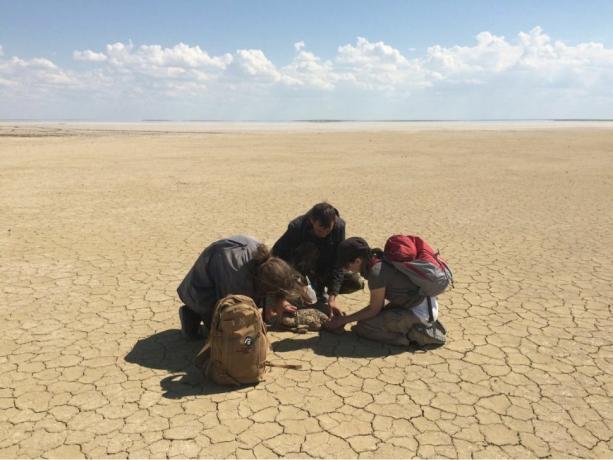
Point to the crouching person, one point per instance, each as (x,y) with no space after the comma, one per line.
(236,265)
(310,245)
(403,309)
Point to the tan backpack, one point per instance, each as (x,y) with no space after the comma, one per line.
(235,352)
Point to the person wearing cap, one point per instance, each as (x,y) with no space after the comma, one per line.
(310,245)
(397,313)
(236,265)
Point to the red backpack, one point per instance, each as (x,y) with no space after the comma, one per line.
(415,258)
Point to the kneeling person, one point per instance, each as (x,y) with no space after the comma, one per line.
(310,245)
(408,316)
(235,265)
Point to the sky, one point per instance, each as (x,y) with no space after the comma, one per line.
(304,60)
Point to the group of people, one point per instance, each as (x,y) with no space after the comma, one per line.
(309,266)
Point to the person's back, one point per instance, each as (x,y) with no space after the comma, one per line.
(411,312)
(221,269)
(400,291)
(239,265)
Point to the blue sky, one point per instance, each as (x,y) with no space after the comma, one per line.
(271,60)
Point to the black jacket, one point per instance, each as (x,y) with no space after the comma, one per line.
(300,231)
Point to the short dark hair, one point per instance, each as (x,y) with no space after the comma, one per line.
(324,213)
(351,248)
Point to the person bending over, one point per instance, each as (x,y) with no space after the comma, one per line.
(398,312)
(310,245)
(236,265)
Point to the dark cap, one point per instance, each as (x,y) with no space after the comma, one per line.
(351,248)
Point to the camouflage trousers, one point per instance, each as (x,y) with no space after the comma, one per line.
(400,326)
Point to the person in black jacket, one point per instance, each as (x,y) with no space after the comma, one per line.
(310,245)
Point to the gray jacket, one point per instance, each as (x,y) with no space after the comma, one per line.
(222,269)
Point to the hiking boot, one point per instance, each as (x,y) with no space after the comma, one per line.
(190,323)
(427,335)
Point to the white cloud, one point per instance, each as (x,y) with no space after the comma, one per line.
(530,67)
(380,67)
(254,63)
(181,70)
(33,74)
(180,55)
(490,54)
(88,55)
(533,52)
(367,53)
(307,70)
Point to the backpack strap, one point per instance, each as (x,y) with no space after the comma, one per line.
(430,311)
(446,269)
(374,261)
(284,366)
(203,355)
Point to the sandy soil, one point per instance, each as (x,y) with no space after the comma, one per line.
(98,225)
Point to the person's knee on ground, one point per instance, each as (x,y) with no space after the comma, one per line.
(398,326)
(370,331)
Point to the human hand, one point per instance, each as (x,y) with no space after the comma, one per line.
(333,310)
(335,323)
(286,307)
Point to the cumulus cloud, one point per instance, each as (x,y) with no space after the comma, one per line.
(254,63)
(33,73)
(88,55)
(490,54)
(367,65)
(533,62)
(367,53)
(378,66)
(150,56)
(531,66)
(308,70)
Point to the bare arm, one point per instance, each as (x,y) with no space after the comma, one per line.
(377,299)
(276,309)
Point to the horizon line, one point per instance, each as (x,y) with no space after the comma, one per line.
(310,120)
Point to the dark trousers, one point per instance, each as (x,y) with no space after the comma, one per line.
(304,260)
(196,314)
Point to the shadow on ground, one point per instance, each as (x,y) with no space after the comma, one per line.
(168,350)
(346,344)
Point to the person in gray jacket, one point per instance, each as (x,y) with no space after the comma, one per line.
(236,265)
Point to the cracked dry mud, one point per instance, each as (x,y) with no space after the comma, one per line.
(97,231)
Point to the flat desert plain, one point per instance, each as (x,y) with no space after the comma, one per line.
(99,224)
